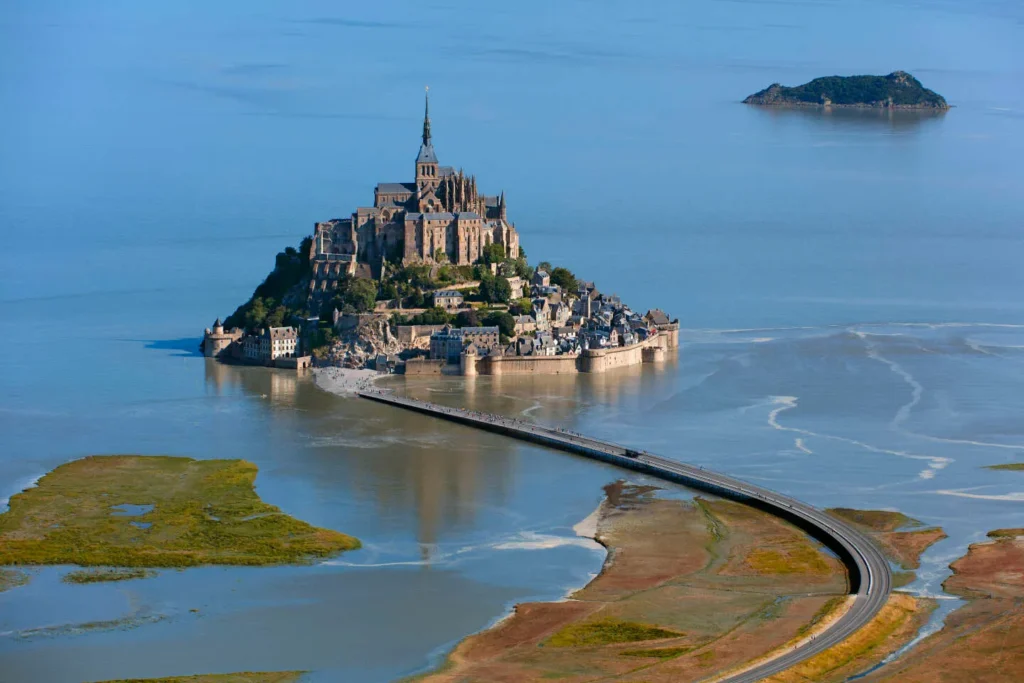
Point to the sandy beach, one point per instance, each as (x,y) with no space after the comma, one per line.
(345,381)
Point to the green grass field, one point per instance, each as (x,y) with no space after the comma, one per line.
(187,513)
(605,632)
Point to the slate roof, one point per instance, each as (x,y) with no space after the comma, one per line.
(283,333)
(426,155)
(658,317)
(396,188)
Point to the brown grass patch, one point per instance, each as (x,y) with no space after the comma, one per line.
(796,557)
(893,625)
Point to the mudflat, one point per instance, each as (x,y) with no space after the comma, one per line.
(155,511)
(689,589)
(987,634)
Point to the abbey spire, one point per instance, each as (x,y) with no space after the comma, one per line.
(427,178)
(426,118)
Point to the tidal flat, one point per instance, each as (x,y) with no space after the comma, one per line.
(698,588)
(903,540)
(987,633)
(155,511)
(10,578)
(682,595)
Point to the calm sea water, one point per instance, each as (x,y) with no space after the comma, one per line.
(850,284)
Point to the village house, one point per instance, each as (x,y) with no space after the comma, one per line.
(449,342)
(446,344)
(485,338)
(279,342)
(540,279)
(524,324)
(448,299)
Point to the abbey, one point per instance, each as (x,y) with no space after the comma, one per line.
(439,217)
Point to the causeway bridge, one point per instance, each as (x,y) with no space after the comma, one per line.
(870,578)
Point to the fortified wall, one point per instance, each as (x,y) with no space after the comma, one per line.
(653,350)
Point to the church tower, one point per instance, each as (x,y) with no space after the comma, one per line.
(427,178)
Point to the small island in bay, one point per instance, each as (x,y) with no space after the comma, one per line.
(429,280)
(898,90)
(1009,466)
(130,511)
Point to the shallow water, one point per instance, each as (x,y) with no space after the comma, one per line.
(156,156)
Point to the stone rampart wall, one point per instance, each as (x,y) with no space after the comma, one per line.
(527,365)
(426,367)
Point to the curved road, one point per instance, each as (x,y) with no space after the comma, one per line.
(870,576)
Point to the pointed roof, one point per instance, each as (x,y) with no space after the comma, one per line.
(426,155)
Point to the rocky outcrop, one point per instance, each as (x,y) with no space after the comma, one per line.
(360,342)
(898,90)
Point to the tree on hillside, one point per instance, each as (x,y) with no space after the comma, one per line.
(522,306)
(545,266)
(493,253)
(505,323)
(495,289)
(564,278)
(431,316)
(468,318)
(360,294)
(256,315)
(415,299)
(277,317)
(387,291)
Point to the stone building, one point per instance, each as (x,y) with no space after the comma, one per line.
(485,338)
(446,344)
(440,216)
(216,340)
(271,345)
(279,342)
(448,299)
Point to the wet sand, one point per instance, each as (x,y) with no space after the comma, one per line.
(345,381)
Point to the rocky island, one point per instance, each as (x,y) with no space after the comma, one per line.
(898,90)
(431,279)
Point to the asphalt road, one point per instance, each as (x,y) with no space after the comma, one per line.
(870,576)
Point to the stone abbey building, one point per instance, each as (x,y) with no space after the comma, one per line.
(440,213)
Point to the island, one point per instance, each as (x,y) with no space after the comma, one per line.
(130,511)
(898,90)
(429,280)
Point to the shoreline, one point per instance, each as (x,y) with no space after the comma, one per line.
(345,382)
(536,640)
(818,105)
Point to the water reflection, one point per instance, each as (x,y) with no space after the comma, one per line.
(856,119)
(410,465)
